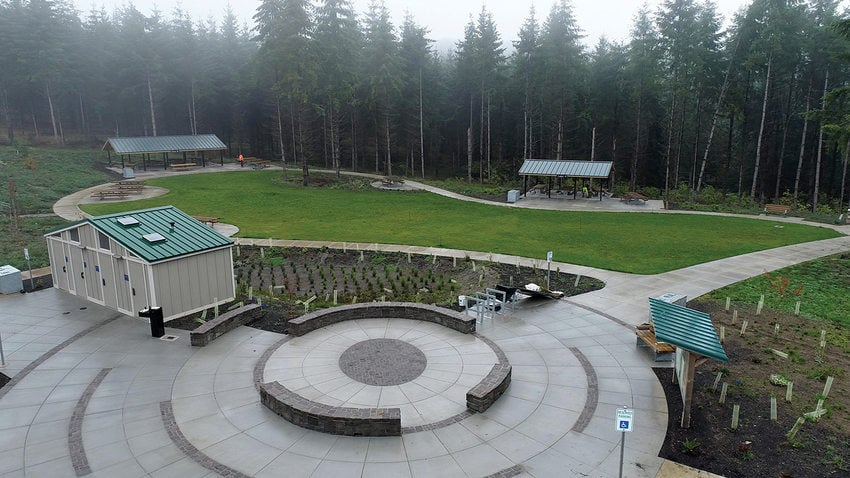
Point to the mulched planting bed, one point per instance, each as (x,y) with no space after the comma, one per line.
(759,447)
(282,277)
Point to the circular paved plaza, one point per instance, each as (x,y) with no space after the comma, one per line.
(422,368)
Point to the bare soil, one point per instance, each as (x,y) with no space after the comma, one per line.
(759,447)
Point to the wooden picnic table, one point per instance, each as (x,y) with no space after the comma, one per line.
(181,166)
(634,196)
(211,220)
(110,194)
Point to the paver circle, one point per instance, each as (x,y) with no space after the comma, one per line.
(383,362)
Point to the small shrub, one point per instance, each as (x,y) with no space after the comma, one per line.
(690,446)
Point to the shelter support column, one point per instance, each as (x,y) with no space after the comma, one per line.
(689,367)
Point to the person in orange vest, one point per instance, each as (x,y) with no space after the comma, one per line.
(241,161)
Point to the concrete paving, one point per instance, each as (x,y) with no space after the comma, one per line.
(93,394)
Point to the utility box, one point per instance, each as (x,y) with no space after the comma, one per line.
(10,280)
(513,195)
(128,173)
(671,298)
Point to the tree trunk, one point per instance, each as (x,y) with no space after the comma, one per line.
(469,155)
(335,141)
(280,137)
(761,128)
(802,147)
(295,154)
(469,144)
(421,130)
(52,114)
(389,153)
(192,111)
(304,170)
(489,166)
(353,143)
(481,139)
(560,138)
(820,148)
(843,178)
(10,130)
(593,144)
(669,151)
(633,169)
(153,111)
(83,123)
(786,119)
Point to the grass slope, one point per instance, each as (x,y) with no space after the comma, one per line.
(632,242)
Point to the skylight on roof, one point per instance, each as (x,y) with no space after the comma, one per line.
(128,221)
(154,237)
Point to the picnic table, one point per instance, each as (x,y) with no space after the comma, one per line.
(182,166)
(634,196)
(257,163)
(211,220)
(110,194)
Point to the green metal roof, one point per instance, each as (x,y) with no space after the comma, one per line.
(188,235)
(165,144)
(569,169)
(686,328)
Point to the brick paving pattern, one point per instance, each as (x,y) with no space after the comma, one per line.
(383,362)
(75,429)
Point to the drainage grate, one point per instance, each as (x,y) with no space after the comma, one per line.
(169,338)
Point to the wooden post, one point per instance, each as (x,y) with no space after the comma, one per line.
(734,316)
(744,327)
(827,387)
(723,391)
(736,410)
(728,302)
(789,390)
(773,409)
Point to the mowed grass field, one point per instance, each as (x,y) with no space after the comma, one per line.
(645,243)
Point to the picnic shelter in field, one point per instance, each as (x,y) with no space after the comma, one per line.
(578,171)
(162,149)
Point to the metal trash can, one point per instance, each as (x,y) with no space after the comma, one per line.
(154,314)
(10,280)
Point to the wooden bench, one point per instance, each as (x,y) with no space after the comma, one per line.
(633,196)
(110,194)
(130,188)
(646,338)
(181,166)
(207,219)
(777,209)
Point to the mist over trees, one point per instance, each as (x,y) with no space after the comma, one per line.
(683,105)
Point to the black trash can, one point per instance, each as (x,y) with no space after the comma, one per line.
(154,314)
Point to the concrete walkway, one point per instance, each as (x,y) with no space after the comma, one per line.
(93,394)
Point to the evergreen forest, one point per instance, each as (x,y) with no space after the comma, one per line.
(755,107)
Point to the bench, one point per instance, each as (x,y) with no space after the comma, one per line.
(110,194)
(488,390)
(397,310)
(633,196)
(215,328)
(777,209)
(646,338)
(181,166)
(390,181)
(130,188)
(207,219)
(324,418)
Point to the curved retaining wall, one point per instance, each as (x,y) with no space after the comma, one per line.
(382,310)
(377,421)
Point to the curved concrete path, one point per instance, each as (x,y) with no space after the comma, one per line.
(93,394)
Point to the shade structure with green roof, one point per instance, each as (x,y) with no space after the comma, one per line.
(692,332)
(558,169)
(160,257)
(686,328)
(165,147)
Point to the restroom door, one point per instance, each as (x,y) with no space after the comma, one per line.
(91,269)
(122,285)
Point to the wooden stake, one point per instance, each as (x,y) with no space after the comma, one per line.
(734,316)
(797,308)
(780,354)
(723,390)
(722,334)
(744,326)
(238,252)
(408,257)
(262,252)
(454,261)
(760,305)
(578,278)
(789,390)
(736,410)
(776,330)
(728,302)
(335,296)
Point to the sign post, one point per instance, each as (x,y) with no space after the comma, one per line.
(624,421)
(27,256)
(548,268)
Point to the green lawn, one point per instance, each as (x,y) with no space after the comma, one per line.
(643,243)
